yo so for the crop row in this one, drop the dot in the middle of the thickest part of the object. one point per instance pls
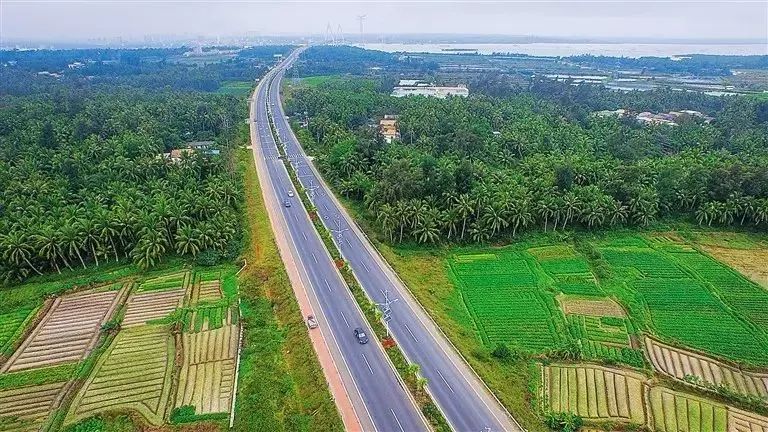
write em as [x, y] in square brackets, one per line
[705, 324]
[66, 333]
[594, 392]
[206, 380]
[26, 408]
[744, 296]
[135, 373]
[169, 281]
[598, 329]
[151, 305]
[525, 318]
[598, 393]
[650, 263]
[680, 364]
[591, 350]
[673, 412]
[205, 291]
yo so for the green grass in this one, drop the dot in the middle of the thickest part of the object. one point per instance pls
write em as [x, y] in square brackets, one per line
[38, 376]
[236, 88]
[11, 326]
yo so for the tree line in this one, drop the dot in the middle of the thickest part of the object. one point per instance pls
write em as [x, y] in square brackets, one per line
[84, 180]
[485, 168]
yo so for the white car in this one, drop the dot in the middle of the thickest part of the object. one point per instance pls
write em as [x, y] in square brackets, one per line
[290, 193]
[311, 321]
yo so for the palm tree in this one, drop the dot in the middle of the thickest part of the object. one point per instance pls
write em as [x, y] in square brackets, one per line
[760, 214]
[72, 241]
[188, 241]
[90, 237]
[386, 217]
[150, 247]
[479, 232]
[571, 207]
[520, 215]
[17, 249]
[401, 214]
[706, 213]
[617, 212]
[464, 208]
[545, 208]
[48, 246]
[495, 218]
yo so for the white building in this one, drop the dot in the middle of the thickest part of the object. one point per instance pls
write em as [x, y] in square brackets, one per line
[431, 90]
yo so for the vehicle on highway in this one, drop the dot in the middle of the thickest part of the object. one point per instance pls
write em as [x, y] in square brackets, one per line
[311, 321]
[362, 338]
[290, 193]
[287, 203]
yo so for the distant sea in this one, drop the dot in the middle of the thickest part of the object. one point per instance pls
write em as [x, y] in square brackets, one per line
[571, 49]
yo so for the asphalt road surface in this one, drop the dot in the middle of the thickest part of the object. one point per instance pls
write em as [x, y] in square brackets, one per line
[386, 404]
[464, 400]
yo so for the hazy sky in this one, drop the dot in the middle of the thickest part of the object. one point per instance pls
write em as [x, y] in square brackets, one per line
[68, 20]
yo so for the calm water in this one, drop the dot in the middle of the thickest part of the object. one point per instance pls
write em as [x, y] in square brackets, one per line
[570, 49]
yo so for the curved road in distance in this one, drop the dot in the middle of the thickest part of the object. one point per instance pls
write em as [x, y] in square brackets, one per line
[377, 394]
[466, 402]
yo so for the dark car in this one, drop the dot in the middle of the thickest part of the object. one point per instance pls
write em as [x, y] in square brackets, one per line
[361, 336]
[287, 203]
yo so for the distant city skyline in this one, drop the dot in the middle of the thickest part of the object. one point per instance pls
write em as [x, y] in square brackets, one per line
[68, 21]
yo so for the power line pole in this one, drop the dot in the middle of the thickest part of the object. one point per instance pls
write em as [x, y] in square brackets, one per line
[360, 19]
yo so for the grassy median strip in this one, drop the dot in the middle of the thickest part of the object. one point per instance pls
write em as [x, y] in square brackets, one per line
[408, 372]
[282, 386]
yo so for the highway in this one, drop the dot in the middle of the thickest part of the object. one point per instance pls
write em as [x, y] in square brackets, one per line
[378, 396]
[462, 397]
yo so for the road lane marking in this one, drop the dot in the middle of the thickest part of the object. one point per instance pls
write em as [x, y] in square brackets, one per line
[327, 285]
[345, 318]
[349, 242]
[365, 267]
[367, 364]
[445, 381]
[314, 257]
[326, 207]
[304, 235]
[398, 421]
[409, 331]
[295, 217]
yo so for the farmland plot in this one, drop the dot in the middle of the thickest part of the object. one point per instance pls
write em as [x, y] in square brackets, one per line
[134, 373]
[723, 312]
[595, 392]
[67, 332]
[165, 282]
[678, 363]
[152, 305]
[206, 291]
[673, 411]
[206, 380]
[26, 408]
[502, 297]
[11, 324]
[742, 421]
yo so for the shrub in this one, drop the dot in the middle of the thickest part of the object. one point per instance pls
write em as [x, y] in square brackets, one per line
[564, 421]
[208, 258]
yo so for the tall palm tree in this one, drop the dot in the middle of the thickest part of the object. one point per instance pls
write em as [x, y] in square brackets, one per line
[48, 246]
[72, 241]
[17, 249]
[188, 241]
[464, 208]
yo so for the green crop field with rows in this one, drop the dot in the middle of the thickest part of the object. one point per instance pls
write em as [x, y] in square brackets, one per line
[688, 298]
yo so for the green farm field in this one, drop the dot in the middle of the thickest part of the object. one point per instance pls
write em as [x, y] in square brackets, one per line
[597, 296]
